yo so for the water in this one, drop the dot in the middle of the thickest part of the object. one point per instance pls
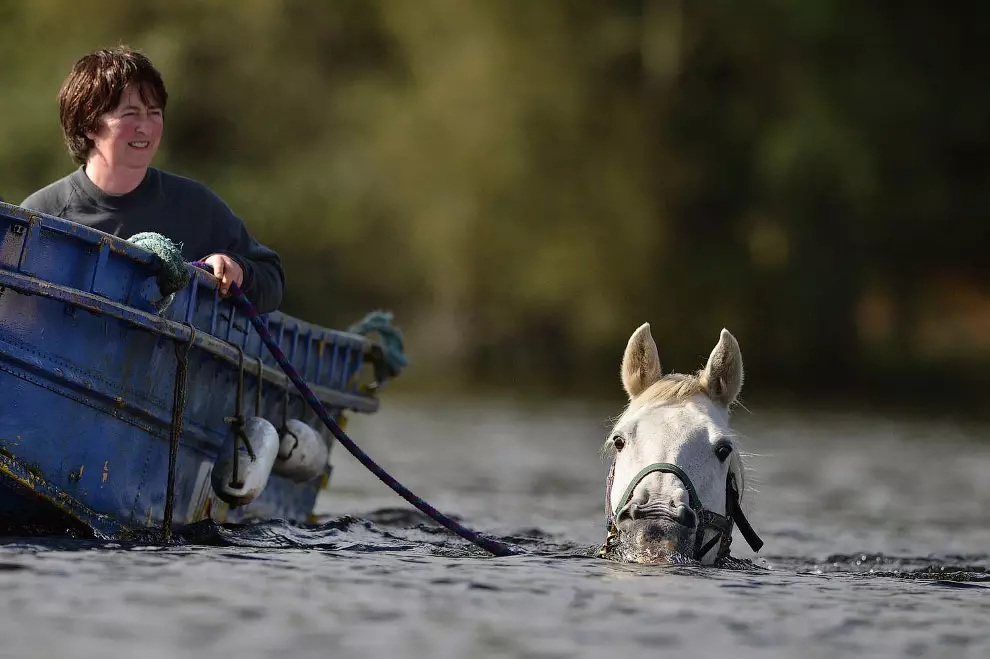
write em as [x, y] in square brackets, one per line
[877, 535]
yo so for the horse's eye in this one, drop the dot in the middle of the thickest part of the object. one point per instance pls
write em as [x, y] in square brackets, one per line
[618, 442]
[722, 451]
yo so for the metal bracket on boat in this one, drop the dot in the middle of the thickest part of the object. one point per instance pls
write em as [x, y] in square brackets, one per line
[31, 234]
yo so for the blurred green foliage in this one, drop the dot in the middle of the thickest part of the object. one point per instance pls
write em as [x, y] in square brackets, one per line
[524, 183]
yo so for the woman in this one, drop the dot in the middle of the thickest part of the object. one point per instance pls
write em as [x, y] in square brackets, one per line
[112, 109]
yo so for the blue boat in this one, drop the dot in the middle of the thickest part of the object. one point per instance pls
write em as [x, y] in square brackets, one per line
[118, 404]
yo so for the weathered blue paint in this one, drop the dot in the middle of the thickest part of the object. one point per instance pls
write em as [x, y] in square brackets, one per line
[87, 375]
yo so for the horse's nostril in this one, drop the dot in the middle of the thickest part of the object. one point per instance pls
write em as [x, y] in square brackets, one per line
[629, 512]
[684, 515]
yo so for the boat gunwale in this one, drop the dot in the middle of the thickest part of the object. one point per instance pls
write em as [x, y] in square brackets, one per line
[170, 329]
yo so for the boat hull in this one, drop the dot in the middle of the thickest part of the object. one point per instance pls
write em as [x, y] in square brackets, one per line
[91, 384]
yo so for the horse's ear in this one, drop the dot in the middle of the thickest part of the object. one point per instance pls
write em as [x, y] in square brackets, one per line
[723, 375]
[641, 363]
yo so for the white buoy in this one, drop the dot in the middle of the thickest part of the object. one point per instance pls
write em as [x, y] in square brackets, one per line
[252, 473]
[302, 453]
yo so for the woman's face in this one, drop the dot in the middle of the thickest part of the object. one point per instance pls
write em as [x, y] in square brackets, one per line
[130, 133]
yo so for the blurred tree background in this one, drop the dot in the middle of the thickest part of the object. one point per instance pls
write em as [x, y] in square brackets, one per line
[524, 183]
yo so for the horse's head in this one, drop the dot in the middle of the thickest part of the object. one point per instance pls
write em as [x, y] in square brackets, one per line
[677, 477]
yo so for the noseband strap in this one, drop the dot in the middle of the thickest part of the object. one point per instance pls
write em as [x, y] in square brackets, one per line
[667, 468]
[706, 518]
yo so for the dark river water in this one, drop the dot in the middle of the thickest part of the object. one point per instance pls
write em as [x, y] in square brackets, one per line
[877, 536]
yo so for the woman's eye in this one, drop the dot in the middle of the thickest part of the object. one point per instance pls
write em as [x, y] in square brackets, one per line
[722, 451]
[618, 442]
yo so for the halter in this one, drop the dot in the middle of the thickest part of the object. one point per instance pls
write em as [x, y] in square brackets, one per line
[706, 518]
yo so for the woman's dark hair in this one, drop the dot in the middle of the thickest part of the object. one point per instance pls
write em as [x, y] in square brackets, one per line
[94, 87]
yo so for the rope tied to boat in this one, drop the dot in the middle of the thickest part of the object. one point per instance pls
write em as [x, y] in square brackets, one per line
[178, 405]
[378, 322]
[237, 424]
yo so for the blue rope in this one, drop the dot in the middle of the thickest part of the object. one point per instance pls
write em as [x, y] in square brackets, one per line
[492, 546]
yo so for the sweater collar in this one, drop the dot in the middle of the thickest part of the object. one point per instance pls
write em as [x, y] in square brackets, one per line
[139, 195]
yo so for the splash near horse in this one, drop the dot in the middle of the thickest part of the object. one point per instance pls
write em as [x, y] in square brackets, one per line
[677, 481]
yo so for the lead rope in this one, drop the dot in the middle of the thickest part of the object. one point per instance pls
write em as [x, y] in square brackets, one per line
[492, 546]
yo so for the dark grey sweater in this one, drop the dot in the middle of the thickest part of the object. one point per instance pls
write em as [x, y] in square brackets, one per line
[184, 210]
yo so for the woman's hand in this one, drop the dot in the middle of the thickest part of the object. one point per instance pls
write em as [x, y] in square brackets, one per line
[226, 270]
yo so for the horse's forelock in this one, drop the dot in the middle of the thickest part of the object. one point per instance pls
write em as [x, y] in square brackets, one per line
[671, 388]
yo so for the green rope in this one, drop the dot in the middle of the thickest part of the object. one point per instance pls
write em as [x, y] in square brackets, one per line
[390, 339]
[173, 275]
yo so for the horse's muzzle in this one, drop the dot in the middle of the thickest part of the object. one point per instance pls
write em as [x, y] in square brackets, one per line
[656, 534]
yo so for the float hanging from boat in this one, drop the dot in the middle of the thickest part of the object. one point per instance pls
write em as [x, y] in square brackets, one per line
[114, 398]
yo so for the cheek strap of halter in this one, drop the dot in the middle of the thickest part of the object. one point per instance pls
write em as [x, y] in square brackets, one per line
[734, 512]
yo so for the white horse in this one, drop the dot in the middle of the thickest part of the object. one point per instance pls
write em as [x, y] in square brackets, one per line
[677, 479]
